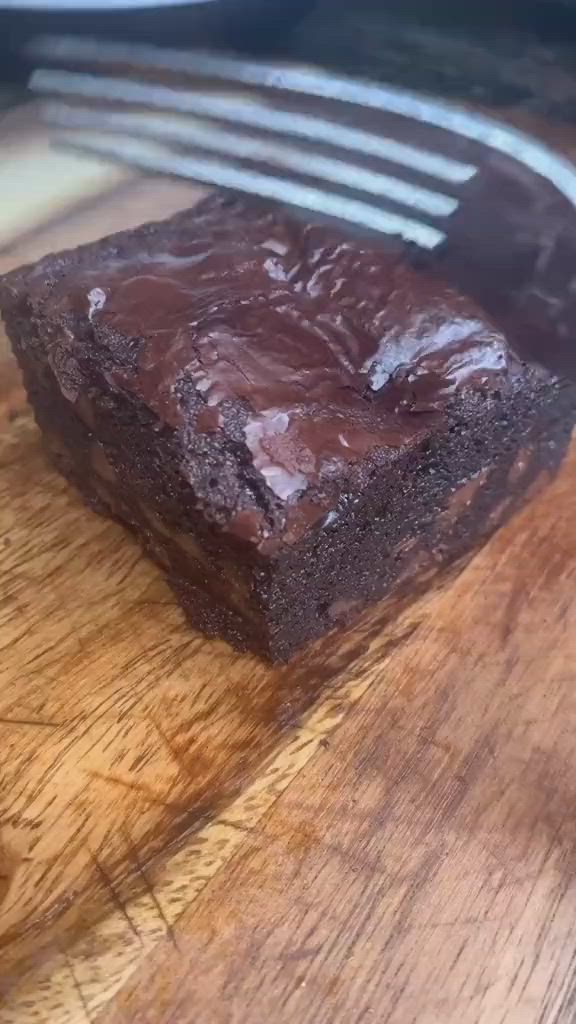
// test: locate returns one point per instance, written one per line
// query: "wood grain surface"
(423, 871)
(184, 836)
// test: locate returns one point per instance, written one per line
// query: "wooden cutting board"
(182, 838)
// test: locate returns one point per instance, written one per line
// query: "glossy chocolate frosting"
(332, 346)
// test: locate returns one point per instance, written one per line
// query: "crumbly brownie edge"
(274, 606)
(457, 497)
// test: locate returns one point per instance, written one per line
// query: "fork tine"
(200, 134)
(476, 127)
(253, 114)
(153, 157)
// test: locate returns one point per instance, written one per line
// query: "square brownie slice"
(286, 416)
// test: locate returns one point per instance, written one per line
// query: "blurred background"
(514, 57)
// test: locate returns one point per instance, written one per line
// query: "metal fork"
(371, 178)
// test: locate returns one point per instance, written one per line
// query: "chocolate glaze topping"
(332, 346)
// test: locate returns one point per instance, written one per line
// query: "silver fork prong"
(476, 127)
(255, 114)
(154, 157)
(199, 134)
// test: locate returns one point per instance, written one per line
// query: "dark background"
(520, 52)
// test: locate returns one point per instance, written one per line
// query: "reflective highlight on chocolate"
(334, 346)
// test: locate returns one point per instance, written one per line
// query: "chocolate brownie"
(285, 415)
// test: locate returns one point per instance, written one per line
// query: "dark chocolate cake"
(286, 416)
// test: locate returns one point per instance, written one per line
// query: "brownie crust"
(287, 417)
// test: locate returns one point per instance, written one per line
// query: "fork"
(414, 190)
(372, 179)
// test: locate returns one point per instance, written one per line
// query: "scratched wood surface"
(421, 870)
(184, 837)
